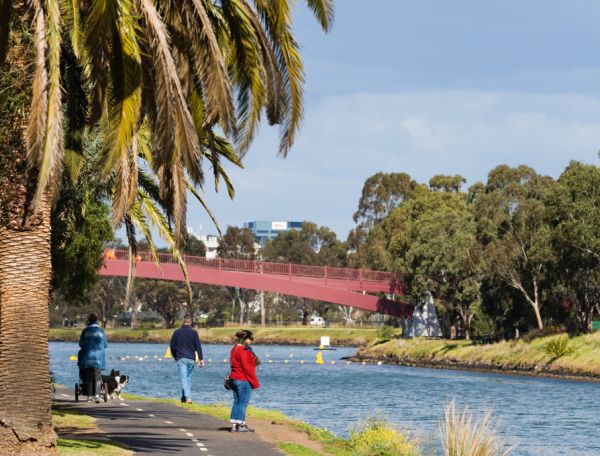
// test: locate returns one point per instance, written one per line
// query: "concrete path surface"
(152, 428)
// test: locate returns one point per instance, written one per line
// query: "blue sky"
(424, 87)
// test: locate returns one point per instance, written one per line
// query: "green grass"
(578, 355)
(296, 335)
(71, 420)
(83, 447)
(333, 445)
(295, 449)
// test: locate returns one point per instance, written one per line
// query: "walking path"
(153, 428)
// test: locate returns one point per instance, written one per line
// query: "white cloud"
(345, 139)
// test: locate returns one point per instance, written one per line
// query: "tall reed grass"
(462, 435)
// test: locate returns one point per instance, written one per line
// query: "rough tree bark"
(25, 268)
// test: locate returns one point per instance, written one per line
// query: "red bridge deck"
(337, 285)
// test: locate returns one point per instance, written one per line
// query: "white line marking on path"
(202, 449)
(124, 405)
(63, 394)
(194, 440)
(168, 422)
(189, 434)
(150, 415)
(200, 444)
(139, 410)
(182, 430)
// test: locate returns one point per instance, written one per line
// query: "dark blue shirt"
(184, 342)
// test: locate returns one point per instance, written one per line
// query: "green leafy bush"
(559, 347)
(385, 332)
(377, 437)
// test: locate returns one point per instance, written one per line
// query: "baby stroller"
(81, 388)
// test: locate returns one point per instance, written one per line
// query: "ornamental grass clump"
(462, 436)
(559, 347)
(377, 437)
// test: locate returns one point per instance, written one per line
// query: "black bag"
(228, 383)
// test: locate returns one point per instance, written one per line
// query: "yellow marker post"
(72, 358)
(320, 358)
(168, 353)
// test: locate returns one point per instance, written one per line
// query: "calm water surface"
(545, 417)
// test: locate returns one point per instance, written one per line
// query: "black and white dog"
(115, 382)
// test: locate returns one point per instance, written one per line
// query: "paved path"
(152, 428)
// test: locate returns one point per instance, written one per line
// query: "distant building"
(211, 242)
(268, 229)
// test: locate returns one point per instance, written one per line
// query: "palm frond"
(125, 184)
(277, 17)
(126, 96)
(72, 21)
(247, 69)
(323, 11)
(211, 68)
(160, 223)
(195, 192)
(73, 163)
(50, 160)
(98, 28)
(132, 242)
(174, 126)
(36, 129)
(5, 16)
(216, 148)
(274, 83)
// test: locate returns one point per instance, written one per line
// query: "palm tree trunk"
(25, 425)
(25, 267)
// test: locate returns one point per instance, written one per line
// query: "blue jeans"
(241, 396)
(186, 366)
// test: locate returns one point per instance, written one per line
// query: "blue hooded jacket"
(92, 343)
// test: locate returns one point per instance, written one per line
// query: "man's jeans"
(241, 396)
(186, 366)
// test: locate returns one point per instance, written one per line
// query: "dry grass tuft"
(462, 436)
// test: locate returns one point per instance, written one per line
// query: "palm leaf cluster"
(169, 84)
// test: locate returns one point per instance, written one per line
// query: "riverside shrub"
(559, 347)
(377, 437)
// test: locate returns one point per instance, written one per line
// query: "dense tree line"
(519, 251)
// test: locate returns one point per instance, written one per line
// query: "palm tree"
(190, 69)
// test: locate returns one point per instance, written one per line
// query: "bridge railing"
(264, 267)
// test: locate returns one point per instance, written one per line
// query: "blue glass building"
(269, 229)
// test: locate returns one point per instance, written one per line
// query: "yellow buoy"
(320, 358)
(168, 353)
(72, 358)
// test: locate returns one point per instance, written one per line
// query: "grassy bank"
(293, 335)
(297, 438)
(559, 355)
(79, 436)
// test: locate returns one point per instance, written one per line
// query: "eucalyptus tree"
(431, 240)
(381, 193)
(573, 208)
(513, 228)
(190, 69)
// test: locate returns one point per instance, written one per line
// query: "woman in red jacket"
(243, 375)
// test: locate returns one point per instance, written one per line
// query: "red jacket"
(243, 365)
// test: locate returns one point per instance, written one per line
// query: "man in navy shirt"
(185, 344)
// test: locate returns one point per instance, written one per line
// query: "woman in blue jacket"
(91, 359)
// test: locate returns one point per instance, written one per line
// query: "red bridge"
(348, 287)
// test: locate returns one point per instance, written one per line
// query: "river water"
(541, 416)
